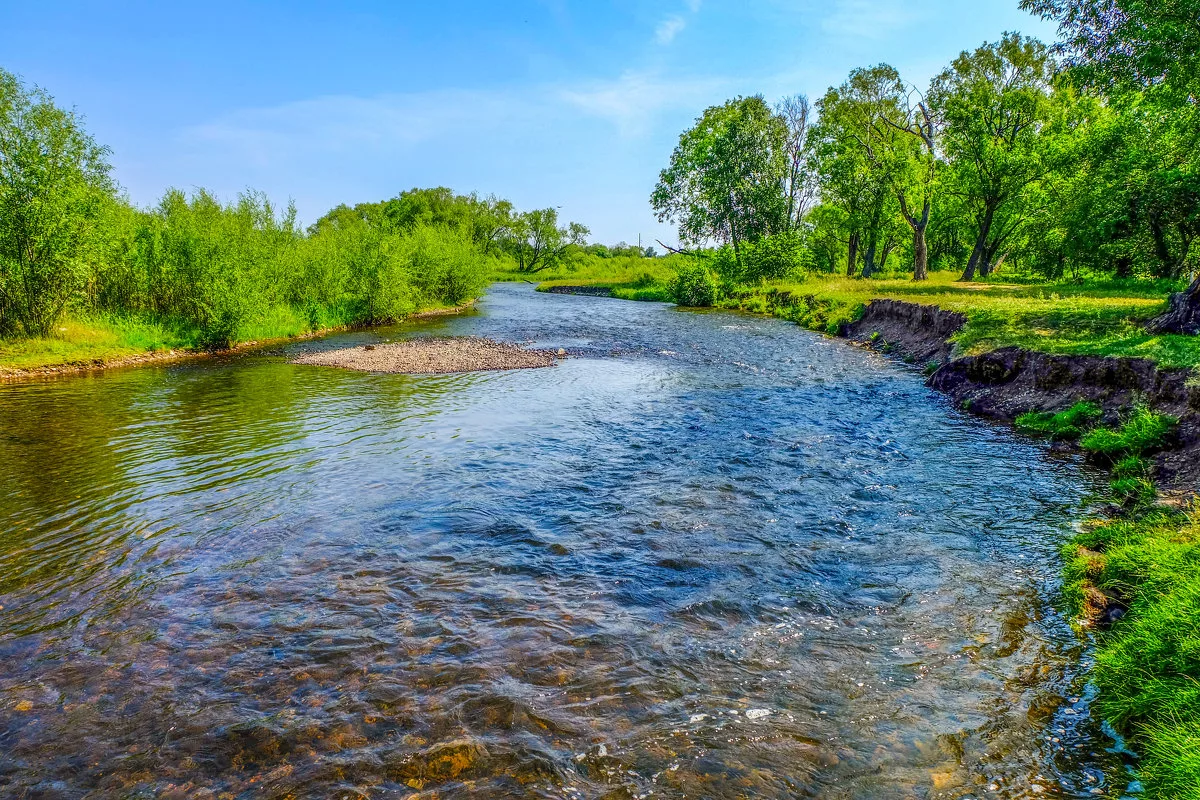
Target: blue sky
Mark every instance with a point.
(545, 102)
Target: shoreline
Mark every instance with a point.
(11, 374)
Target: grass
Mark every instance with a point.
(86, 340)
(1098, 318)
(93, 341)
(1065, 425)
(1148, 663)
(628, 277)
(1142, 431)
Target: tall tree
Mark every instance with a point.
(1151, 47)
(54, 187)
(996, 102)
(854, 156)
(798, 187)
(726, 178)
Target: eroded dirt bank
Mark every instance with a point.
(1005, 383)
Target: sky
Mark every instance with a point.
(568, 103)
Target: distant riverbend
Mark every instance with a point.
(709, 555)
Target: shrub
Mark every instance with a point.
(1064, 425)
(694, 286)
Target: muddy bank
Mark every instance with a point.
(428, 356)
(1005, 383)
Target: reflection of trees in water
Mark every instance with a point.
(97, 469)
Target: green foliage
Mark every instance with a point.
(54, 187)
(1147, 663)
(1142, 431)
(727, 175)
(538, 243)
(694, 286)
(1063, 425)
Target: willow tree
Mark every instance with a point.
(727, 176)
(54, 188)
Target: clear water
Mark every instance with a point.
(709, 555)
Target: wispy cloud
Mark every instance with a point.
(668, 29)
(868, 19)
(634, 100)
(397, 124)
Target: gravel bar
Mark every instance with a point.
(428, 356)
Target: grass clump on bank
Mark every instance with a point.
(1142, 431)
(1064, 425)
(1147, 567)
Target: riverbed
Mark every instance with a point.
(708, 555)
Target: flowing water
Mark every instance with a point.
(709, 555)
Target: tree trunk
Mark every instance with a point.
(920, 254)
(1182, 314)
(869, 258)
(979, 253)
(852, 256)
(920, 247)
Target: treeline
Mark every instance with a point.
(71, 244)
(1073, 161)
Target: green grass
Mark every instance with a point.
(1094, 317)
(1148, 663)
(94, 340)
(107, 339)
(1064, 425)
(1142, 431)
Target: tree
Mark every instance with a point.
(54, 187)
(726, 178)
(1151, 47)
(997, 103)
(798, 186)
(538, 243)
(1123, 43)
(854, 156)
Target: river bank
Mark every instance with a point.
(1134, 578)
(99, 345)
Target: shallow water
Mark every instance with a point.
(710, 555)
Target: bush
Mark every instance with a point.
(773, 257)
(694, 286)
(1064, 425)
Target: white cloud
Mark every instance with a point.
(693, 6)
(668, 29)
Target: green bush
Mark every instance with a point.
(1063, 425)
(694, 286)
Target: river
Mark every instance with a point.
(708, 555)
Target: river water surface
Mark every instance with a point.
(709, 555)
